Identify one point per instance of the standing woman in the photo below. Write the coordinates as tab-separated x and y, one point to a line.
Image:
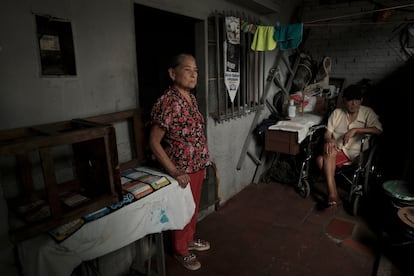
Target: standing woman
178	142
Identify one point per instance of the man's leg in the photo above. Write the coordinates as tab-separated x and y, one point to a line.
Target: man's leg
329	165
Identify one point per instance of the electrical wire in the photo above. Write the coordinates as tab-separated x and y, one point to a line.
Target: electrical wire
360	13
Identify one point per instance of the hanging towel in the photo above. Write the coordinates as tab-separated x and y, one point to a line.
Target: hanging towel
263	39
289	36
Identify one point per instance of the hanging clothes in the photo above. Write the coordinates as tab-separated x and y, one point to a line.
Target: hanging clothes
288	36
263	39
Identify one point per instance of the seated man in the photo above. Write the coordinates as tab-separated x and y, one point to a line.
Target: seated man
345	128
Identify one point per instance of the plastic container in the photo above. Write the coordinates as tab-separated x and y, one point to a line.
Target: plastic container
292	109
400	192
401	199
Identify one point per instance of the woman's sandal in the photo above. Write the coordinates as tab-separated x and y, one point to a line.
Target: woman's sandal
199	245
189	261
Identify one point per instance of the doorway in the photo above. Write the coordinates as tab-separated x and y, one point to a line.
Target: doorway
155	46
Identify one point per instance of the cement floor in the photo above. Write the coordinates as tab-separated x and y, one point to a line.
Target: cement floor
269	229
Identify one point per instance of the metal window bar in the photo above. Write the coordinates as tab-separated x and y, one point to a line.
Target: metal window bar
226	98
218	61
249	94
243	76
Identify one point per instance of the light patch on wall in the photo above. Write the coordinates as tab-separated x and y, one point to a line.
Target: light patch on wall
49	43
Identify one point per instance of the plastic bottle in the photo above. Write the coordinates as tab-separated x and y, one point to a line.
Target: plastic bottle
291	109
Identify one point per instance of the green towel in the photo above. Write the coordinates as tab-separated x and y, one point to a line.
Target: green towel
263	39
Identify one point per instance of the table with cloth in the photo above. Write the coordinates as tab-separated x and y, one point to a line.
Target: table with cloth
168	208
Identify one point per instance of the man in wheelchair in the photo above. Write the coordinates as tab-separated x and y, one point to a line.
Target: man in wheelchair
342	140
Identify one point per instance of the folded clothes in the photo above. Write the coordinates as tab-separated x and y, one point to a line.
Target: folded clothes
299	124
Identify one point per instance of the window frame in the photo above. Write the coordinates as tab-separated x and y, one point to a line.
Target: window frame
249	96
56	47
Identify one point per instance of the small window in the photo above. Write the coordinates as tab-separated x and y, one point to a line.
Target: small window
56	49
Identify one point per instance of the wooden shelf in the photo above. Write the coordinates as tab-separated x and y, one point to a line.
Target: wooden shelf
39	152
136	132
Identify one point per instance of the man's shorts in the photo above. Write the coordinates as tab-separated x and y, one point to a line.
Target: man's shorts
341	159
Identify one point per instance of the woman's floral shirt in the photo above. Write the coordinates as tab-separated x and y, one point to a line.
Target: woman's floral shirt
185	142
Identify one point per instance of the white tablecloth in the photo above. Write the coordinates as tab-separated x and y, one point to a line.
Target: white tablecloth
300	124
169	208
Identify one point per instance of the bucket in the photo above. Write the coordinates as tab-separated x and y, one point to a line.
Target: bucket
400	192
400	195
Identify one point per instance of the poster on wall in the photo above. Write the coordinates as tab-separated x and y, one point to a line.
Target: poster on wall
232	56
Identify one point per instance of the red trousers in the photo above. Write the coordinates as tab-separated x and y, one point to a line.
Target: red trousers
181	238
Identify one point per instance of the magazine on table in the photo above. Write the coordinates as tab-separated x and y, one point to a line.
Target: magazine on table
137	188
156	181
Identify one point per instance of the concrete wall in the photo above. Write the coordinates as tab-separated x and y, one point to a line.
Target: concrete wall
226	140
105	57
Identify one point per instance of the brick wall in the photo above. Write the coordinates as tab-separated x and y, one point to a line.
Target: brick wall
359	47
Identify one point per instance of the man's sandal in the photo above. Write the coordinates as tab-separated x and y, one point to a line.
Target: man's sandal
199	245
333	204
189	261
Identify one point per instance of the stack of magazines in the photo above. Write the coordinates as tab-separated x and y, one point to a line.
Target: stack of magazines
135	185
141	183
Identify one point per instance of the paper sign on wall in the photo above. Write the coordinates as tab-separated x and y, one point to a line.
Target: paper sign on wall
232	56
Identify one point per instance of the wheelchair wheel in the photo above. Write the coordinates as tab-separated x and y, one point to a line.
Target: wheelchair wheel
356	204
304	188
372	173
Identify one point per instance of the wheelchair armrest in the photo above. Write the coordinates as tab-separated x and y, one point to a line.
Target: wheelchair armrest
366	138
315	128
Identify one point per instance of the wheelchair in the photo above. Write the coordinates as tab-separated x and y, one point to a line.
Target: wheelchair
310	148
361	176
